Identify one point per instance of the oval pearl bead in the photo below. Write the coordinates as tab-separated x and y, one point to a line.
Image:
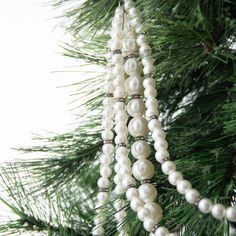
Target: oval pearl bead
149	224
106	159
128	180
122	151
145	50
132	193
124	161
121	117
231	214
192	195
162	231
118	179
160	143
143	213
107	134
117	59
107	123
103	182
125	170
143	169
175	177
153	111
102	197
154	124
131	66
158	134
149	69
121	138
140	149
119	189
119	203
136	203
183	186
138	127
119	106
134	85
108	101
135	107
98	230
141	39
174	234
108	148
218	211
118	70
146	61
155	210
129	45
105	171
168	167
119	92
205	205
116	45
150	92
151	103
147	192
121	128
161	155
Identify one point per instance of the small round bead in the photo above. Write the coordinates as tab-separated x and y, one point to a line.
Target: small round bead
121	138
99	220
192	195
118	81
149	69
146	61
145	50
134	85
150	92
160	143
141	39
108	101
98	231
155	210
161	155
121	117
205	205
129	45
138	126
125	170
108	148
153	111
103	182
162	231
136	203
135	107
131	66
119	203
116	45
122	151
231	214
143	213
175	177
151	102
102	197
143	169
119	106
140	149
118	179
154	124
183	186
149	223
158	134
168	167
218	211
119	92
118	70
107	134
105	171
132	193
120	215
119	189
121	128
123	160
108	112
107	123
147	192
128	180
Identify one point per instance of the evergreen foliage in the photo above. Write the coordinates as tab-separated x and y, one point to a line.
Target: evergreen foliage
194	44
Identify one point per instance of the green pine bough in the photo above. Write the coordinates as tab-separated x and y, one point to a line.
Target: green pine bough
194	46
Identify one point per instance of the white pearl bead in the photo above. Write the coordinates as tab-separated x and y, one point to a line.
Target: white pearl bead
107	123
205	205
98	231
131	66
158	134
121	128
102	197
117	34
105	171
139	29
122	151
175	177
121	138
116	44
106	159
125	170
152	111
119	106
136	203
138	127
154	124
108	112
149	224
192	196
135	107
118	70
161	154
155	210
218	211
143	213
133	12
134	85
108	148
160	143
151	102
129	45
150	92
143	169
124	161
99	220
168	167
146	61
145	50
231	214
103	182
128	180
136	21
128	4
108	101
162	231
121	117
119	189
107	134
118	81
147	192
183	186
117	167
140	149
119	10
120	215
119	92
174	234
132	193
108	88
117	59
149	69
118	179
141	39
119	203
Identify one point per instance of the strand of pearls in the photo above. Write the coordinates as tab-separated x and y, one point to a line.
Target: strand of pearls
168	167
